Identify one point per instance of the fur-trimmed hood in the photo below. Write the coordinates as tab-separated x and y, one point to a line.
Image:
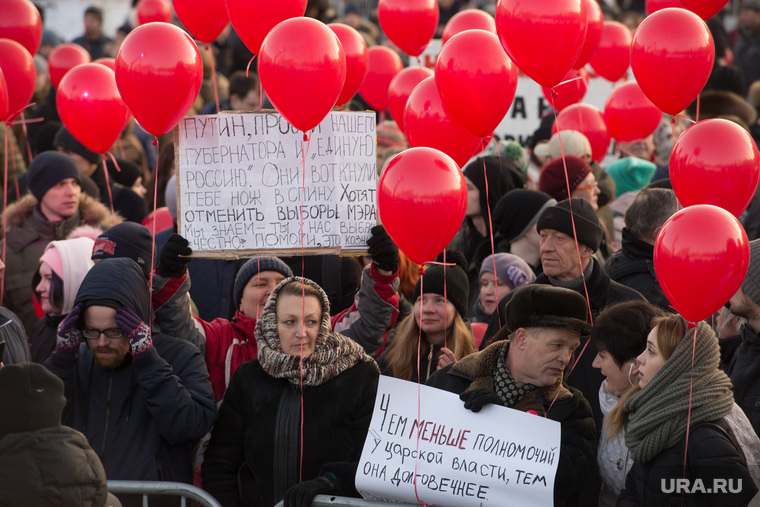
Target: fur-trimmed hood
91	212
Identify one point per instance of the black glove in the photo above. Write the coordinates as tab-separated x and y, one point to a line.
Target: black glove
170	264
382	249
479	398
302	494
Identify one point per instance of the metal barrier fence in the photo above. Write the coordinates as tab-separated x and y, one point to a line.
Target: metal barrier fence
178	489
187	491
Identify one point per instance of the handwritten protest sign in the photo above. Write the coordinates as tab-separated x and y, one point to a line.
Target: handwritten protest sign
454	457
241	187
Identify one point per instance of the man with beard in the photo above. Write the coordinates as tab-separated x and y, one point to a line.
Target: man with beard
142	401
744	368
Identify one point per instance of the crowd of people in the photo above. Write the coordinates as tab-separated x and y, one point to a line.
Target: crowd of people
126	358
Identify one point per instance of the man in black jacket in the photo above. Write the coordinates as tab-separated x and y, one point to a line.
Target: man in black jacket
633	264
544	326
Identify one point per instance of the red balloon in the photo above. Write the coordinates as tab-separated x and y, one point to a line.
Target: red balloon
63	58
701	257
672	55
715	162
357	59
705	9
571	91
629	114
477	86
613	55
468	19
91	107
159	74
588	120
253	19
421	199
149	11
427	122
204	19
593	33
401	87
21	21
20	75
653	6
409	24
384	64
108	62
302	68
4	111
527	28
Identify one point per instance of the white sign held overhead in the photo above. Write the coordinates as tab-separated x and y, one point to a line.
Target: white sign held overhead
242	188
428	448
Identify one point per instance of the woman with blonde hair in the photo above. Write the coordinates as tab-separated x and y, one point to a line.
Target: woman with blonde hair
681	387
436	329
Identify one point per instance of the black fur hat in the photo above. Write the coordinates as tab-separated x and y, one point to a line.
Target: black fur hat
542	305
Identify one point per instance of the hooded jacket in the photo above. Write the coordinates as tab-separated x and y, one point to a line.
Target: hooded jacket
75	261
28	233
144	417
255	448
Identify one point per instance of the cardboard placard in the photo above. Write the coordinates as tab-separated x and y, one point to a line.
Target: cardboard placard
241	187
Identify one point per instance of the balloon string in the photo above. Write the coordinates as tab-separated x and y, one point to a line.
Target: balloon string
445	306
153	239
248	67
419	378
577	249
697	116
307	139
691	390
120	145
213	76
5	206
108	186
490	232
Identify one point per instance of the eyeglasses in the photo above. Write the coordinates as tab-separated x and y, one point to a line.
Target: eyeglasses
587	187
94	334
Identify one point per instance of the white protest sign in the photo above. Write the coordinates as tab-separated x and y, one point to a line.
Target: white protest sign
454	457
241	186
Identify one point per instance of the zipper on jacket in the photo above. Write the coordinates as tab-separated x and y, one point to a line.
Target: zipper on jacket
108	415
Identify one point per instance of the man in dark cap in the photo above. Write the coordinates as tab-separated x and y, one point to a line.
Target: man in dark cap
560	261
125	201
126	239
524	370
53	208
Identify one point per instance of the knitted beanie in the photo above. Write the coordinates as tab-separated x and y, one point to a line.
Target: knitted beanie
543	305
552	178
558	217
251	268
751	283
66	140
514	151
510	269
493	179
127	239
455	282
47	169
31	398
518	210
631	174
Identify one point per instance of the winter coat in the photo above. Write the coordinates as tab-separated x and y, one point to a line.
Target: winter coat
228	344
43	336
27	235
633	266
612	456
563	404
144	417
13	334
602	292
711	455
744	372
50	466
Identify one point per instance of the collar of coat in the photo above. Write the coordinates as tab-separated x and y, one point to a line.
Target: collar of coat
479	367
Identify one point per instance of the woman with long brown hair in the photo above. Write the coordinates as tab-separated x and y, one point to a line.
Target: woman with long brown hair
436	329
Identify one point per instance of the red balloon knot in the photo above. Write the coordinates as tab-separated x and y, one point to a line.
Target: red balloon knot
690	325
